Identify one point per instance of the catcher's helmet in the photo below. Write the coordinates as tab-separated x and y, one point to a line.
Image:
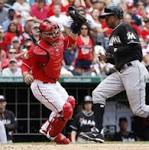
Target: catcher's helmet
50	31
112	10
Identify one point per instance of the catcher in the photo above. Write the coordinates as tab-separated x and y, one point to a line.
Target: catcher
41	68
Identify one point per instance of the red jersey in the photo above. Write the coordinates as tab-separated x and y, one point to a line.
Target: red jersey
8	38
85	51
39	13
145	33
3	45
45	61
51	9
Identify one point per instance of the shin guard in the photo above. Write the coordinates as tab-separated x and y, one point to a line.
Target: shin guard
58	123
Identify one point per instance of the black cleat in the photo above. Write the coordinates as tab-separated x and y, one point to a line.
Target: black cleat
92	136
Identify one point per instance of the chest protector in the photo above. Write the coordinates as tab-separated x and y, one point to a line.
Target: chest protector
49	58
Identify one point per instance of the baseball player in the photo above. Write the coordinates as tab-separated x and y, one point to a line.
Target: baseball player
125	53
8	122
41	68
83	122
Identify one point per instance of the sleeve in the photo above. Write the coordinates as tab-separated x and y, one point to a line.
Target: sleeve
109	55
69	41
129	38
13	125
27	61
75	123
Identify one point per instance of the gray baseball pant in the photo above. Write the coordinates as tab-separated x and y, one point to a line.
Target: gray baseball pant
3	137
132	79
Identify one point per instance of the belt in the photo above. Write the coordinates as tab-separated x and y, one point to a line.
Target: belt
49	82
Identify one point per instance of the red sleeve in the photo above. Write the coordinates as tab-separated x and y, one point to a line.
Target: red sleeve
27	61
144	34
69	41
51	10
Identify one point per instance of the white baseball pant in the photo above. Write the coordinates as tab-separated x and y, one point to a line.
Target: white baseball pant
51	95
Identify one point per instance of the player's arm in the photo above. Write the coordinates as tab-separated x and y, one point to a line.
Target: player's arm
13	125
130	41
26	67
108	56
73	136
74	128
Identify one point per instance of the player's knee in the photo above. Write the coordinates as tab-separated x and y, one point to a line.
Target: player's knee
94	93
67	111
72	101
140	112
98	97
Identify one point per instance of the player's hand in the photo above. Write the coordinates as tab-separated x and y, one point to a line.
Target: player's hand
28	78
102	57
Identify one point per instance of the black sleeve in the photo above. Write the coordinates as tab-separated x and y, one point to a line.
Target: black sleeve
128	48
13	125
75	123
109	55
129	38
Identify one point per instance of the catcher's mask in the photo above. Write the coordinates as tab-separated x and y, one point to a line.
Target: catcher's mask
49	31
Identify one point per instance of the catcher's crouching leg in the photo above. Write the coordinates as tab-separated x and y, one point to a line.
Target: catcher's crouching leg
51	129
72	101
58	123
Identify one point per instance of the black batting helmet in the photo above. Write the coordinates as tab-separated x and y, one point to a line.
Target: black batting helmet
112	10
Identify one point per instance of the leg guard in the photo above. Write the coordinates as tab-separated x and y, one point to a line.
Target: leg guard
72	101
58	123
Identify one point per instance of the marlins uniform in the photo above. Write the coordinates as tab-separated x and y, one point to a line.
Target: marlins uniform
125	52
9	121
83	122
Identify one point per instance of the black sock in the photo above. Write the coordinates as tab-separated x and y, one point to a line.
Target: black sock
98	113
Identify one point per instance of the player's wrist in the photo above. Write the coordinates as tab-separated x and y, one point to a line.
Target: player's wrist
25	73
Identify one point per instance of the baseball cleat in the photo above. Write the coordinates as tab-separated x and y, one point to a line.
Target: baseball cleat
43	132
61	139
44	128
90	136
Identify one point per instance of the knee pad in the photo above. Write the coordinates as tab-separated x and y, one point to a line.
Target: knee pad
67	111
72	101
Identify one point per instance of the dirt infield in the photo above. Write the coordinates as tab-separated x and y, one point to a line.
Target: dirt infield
43	146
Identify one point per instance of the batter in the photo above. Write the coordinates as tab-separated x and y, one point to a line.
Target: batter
125	53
